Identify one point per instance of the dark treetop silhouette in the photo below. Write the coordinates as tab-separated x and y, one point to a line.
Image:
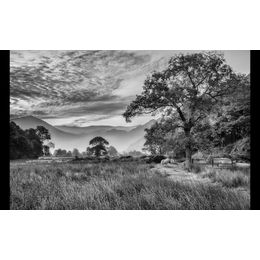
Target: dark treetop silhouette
98	146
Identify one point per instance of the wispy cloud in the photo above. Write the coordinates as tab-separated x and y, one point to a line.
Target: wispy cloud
78	85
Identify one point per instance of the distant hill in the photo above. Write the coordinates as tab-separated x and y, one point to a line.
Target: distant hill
92	129
32	122
69	137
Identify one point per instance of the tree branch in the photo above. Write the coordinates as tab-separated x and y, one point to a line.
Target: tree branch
193	84
202	80
181	114
199	117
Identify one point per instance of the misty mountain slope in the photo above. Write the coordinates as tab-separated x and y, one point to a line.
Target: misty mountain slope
32	122
83	130
66	137
138	145
60	138
92	129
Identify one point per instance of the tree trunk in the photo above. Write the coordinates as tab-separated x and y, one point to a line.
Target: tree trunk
188	162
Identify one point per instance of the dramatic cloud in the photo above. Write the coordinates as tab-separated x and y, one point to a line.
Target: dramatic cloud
78	87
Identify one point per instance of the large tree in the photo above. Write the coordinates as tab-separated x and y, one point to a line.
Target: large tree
98	146
187	90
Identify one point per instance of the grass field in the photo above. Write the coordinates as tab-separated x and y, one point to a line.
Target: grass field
126	185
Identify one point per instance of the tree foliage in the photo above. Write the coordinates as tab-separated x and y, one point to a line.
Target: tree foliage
111	151
224	132
155	139
76	153
26	143
98	146
231	130
43	133
62	153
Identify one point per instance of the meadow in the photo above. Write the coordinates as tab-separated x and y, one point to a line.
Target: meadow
125	185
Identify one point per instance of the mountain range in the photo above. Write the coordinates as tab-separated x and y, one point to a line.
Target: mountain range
123	138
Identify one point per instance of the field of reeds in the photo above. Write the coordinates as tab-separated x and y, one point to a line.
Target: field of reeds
124	185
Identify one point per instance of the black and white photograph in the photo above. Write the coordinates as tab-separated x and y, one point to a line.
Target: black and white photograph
129	129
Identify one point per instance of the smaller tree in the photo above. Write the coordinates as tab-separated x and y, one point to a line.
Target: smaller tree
60	153
111	150
47	147
98	146
51	145
89	151
155	140
76	153
44	136
69	154
46	150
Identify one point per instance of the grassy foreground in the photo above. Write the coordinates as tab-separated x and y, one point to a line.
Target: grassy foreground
114	186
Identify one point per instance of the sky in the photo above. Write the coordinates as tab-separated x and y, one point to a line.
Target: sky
82	88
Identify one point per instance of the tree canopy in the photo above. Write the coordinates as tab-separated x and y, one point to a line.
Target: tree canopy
62	153
111	151
224	132
98	146
43	133
76	153
27	143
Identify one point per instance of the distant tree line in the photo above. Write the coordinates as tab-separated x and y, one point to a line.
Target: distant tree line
29	143
33	143
98	147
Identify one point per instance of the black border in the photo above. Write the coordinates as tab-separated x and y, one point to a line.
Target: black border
5	115
255	120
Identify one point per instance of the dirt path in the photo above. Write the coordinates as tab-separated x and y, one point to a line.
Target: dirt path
175	172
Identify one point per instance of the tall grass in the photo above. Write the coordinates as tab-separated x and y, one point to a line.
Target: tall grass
112	186
228	178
